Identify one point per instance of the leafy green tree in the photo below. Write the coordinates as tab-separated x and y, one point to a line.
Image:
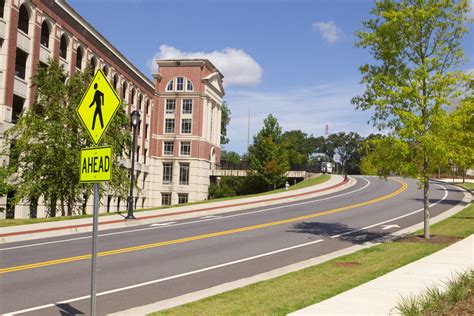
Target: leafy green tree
416	45
460	135
231	157
347	146
268	157
48	137
299	147
225	120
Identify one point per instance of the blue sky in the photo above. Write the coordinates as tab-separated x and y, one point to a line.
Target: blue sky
292	58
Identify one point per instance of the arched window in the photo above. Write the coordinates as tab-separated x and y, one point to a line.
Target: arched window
79	55
105	69
93	64
169	86
45	34
124	89
147	109
23	19
63	44
2	8
115	81
140	99
132	99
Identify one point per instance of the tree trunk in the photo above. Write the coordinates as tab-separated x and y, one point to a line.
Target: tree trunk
426	207
33	207
52	206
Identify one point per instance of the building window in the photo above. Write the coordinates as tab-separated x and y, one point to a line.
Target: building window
138	154
45	34
189	85
23	19
2	8
18	103
169	86
165	198
144	158
147	108
168	148
140	99
146	131
93	64
105	69
20	63
170	106
182	198
63	47
169	125
185	149
124	89
115	81
179	84
167	172
132	98
187	106
79	55
186	126
184	173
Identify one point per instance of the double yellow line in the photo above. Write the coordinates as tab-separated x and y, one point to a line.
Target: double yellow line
402	188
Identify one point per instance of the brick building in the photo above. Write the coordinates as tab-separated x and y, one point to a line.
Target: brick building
33	31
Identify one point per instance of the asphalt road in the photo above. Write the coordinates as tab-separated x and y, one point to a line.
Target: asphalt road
145	264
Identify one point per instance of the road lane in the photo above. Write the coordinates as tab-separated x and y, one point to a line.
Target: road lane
161	263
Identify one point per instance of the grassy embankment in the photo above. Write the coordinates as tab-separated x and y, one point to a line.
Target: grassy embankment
299	289
303	184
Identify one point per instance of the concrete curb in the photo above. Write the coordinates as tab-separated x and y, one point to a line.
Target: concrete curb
191	297
68	227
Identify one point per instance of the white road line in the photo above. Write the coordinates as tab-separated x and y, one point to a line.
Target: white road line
165	279
210	216
396	218
190	222
385	227
162	224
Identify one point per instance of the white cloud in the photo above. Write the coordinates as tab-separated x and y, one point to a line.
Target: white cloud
308	109
238	68
328	30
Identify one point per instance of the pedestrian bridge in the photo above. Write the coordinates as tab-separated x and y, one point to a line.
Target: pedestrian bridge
243	173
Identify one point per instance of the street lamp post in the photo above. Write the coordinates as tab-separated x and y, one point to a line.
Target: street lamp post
135	122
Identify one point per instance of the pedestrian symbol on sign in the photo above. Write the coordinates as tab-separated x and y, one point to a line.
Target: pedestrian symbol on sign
99	101
106	101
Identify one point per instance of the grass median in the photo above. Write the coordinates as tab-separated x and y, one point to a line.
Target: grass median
26	221
297	290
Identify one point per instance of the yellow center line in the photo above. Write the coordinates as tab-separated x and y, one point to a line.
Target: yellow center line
402	188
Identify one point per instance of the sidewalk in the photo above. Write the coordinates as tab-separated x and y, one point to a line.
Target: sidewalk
380	296
66	227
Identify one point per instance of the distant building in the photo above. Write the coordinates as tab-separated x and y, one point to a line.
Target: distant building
176	148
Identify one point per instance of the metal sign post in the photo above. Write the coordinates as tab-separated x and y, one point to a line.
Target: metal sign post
95	228
96	110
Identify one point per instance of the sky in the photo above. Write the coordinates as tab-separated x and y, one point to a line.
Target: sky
294	59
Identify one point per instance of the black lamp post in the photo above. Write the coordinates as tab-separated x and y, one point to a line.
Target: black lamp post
135	122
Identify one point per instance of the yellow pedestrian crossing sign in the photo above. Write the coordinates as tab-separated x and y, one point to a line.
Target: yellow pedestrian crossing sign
96	164
98	106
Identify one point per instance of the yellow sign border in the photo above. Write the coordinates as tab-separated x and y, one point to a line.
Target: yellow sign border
96	180
113	114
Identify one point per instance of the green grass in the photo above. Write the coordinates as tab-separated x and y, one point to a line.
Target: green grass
437	302
467	185
299	289
26	221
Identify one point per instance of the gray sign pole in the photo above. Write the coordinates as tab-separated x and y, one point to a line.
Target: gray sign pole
95	228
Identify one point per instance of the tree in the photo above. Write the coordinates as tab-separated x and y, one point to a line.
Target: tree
347	147
416	45
460	135
225	120
268	158
47	139
298	146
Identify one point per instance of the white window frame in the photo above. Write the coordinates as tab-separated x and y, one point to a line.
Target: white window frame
183	125
166	125
170	85
178	84
168	152
183	195
184	166
189	83
166	196
167	177
183	103
168	104
181	148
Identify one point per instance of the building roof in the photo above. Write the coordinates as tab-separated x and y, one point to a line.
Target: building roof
188	62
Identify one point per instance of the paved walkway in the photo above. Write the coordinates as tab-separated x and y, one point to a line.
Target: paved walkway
65	227
380	296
